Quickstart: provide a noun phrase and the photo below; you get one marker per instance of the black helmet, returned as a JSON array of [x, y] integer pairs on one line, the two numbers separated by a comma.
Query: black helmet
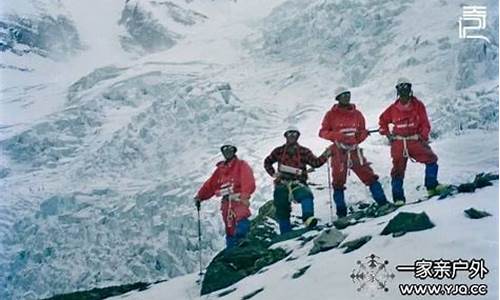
[[228, 145], [403, 84], [291, 129]]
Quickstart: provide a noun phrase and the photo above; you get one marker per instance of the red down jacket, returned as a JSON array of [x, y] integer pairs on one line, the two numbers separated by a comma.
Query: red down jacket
[[344, 124], [238, 174], [409, 119]]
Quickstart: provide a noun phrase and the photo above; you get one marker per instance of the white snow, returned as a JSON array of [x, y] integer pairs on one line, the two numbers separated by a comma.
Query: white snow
[[328, 276]]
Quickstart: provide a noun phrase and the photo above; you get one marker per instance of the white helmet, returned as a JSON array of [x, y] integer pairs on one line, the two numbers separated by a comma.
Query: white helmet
[[341, 90]]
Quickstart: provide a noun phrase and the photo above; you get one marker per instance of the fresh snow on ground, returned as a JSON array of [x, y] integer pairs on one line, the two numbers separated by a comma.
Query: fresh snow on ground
[[328, 276]]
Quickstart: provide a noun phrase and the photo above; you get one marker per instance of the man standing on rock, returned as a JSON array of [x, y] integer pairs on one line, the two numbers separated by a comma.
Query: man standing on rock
[[409, 138], [232, 180], [344, 125], [290, 182]]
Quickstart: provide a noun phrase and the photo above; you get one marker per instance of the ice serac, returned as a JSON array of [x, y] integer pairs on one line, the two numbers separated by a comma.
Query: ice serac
[[130, 138]]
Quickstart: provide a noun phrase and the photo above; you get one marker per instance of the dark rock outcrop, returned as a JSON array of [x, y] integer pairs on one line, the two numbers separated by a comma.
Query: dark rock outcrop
[[230, 266], [407, 222], [355, 244], [476, 214], [328, 239]]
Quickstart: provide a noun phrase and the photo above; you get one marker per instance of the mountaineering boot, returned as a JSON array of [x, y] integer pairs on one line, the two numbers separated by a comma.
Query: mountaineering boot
[[437, 190], [399, 202], [434, 188], [311, 222]]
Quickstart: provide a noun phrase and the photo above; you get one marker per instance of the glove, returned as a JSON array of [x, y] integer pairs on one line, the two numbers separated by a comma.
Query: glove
[[327, 153], [390, 137], [197, 202]]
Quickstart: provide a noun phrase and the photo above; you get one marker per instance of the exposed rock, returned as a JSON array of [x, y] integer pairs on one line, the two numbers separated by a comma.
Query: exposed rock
[[466, 188], [476, 214], [355, 244], [246, 297], [484, 179], [97, 294], [344, 222], [44, 35], [144, 31], [226, 292], [230, 266], [328, 239], [300, 272], [407, 222]]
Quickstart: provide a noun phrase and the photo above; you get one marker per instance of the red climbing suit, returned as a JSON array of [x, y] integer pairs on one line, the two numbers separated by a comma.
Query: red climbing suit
[[411, 131], [235, 176], [345, 127]]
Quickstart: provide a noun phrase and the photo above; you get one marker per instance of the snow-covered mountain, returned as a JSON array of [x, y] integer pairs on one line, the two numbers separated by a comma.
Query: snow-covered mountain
[[327, 275], [113, 112]]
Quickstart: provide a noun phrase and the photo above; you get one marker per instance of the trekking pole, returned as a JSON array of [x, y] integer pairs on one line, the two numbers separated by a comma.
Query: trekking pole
[[373, 130], [330, 190], [199, 242]]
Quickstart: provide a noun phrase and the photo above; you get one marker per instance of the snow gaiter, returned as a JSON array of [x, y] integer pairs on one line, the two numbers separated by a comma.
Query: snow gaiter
[[285, 225], [398, 193], [338, 198], [378, 193], [431, 171], [307, 205]]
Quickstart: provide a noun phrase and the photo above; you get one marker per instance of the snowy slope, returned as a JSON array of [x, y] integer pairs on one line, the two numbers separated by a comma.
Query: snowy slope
[[328, 276], [103, 150]]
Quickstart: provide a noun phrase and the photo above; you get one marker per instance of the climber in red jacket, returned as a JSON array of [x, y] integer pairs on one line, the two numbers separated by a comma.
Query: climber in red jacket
[[232, 180], [344, 125], [409, 138]]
